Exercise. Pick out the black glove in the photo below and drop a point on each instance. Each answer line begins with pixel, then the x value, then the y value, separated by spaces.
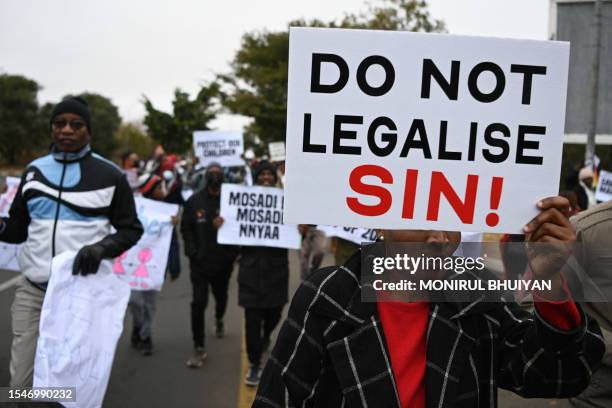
pixel 88 260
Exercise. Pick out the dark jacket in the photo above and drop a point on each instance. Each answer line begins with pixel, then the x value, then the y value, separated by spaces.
pixel 200 236
pixel 66 201
pixel 332 351
pixel 263 277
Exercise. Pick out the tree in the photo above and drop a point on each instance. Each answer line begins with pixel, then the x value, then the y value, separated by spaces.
pixel 20 132
pixel 174 131
pixel 131 138
pixel 257 84
pixel 105 121
pixel 397 15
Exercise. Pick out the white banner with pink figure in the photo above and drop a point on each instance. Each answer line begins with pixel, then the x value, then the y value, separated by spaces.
pixel 9 253
pixel 143 267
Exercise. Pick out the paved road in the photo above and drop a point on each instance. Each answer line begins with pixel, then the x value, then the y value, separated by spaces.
pixel 163 380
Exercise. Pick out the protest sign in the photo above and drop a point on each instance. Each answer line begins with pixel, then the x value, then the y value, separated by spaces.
pixel 604 186
pixel 223 147
pixel 353 234
pixel 80 324
pixel 9 253
pixel 254 216
pixel 277 151
pixel 406 130
pixel 144 265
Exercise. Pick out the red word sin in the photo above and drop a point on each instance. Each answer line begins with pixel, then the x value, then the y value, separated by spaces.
pixel 463 203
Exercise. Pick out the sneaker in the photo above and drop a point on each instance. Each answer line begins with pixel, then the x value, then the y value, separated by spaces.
pixel 146 347
pixel 135 339
pixel 196 360
pixel 253 376
pixel 220 329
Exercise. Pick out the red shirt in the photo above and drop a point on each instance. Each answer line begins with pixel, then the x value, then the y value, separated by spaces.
pixel 405 328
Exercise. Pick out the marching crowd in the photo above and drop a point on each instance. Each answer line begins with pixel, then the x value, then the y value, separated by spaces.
pixel 333 349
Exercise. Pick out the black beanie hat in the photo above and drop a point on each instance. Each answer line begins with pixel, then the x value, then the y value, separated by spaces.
pixel 76 105
pixel 264 165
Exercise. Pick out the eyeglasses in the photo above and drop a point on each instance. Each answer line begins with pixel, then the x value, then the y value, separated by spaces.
pixel 76 124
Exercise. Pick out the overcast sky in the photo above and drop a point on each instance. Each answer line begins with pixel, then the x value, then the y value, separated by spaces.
pixel 124 49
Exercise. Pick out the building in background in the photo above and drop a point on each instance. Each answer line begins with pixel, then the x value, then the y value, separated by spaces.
pixel 573 21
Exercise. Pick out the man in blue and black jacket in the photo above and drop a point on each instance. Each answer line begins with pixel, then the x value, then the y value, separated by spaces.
pixel 68 200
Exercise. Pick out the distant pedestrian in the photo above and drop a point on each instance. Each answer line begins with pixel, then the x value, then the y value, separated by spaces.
pixel 130 164
pixel 312 250
pixel 211 264
pixel 263 287
pixel 143 303
pixel 585 190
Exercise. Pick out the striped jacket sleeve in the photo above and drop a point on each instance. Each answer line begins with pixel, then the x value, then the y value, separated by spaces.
pixel 539 360
pixel 291 375
pixel 124 219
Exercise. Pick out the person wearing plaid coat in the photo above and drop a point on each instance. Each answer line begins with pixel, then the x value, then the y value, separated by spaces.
pixel 332 350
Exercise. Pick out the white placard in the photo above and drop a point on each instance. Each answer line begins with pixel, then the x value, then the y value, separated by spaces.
pixel 143 267
pixel 277 151
pixel 223 147
pixel 9 253
pixel 404 130
pixel 80 324
pixel 604 186
pixel 254 216
pixel 353 234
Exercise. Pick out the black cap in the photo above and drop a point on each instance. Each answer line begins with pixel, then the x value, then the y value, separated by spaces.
pixel 76 105
pixel 264 165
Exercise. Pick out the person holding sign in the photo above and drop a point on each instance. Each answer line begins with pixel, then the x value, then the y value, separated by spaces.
pixel 211 263
pixel 263 286
pixel 143 303
pixel 68 200
pixel 337 350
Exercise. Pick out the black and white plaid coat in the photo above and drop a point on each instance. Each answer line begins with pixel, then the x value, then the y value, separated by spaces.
pixel 332 352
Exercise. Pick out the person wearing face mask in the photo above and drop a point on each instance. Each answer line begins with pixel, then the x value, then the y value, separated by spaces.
pixel 210 263
pixel 263 287
pixel 338 350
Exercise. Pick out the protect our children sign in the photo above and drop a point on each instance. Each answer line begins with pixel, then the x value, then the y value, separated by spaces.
pixel 604 186
pixel 406 130
pixel 223 147
pixel 254 216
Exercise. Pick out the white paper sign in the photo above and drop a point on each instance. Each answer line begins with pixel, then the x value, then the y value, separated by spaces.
pixel 277 151
pixel 80 323
pixel 9 253
pixel 404 130
pixel 144 265
pixel 223 147
pixel 604 186
pixel 353 234
pixel 254 216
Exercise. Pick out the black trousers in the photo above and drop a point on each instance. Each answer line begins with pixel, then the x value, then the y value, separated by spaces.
pixel 200 283
pixel 259 325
